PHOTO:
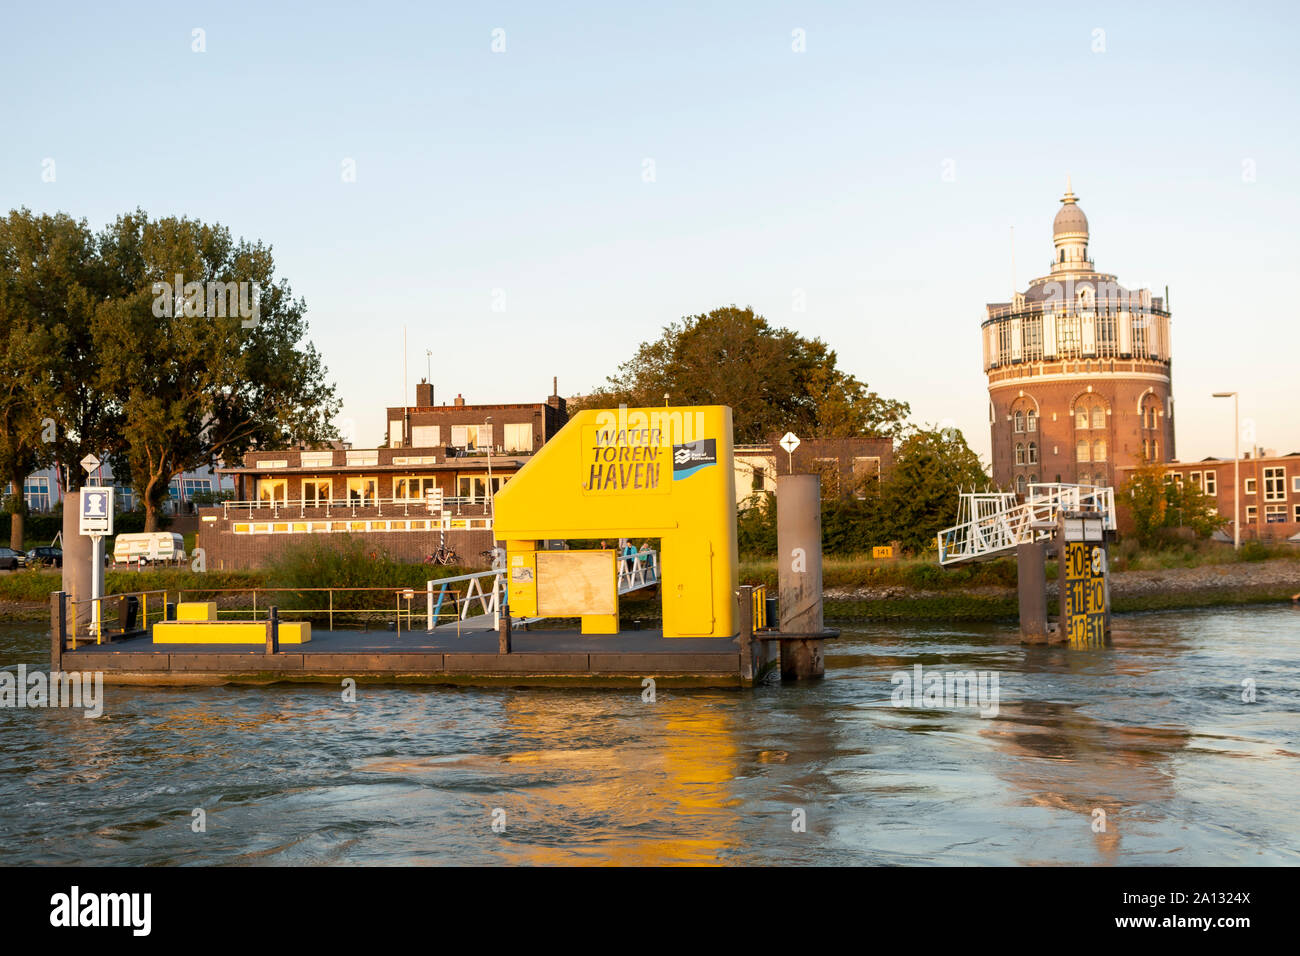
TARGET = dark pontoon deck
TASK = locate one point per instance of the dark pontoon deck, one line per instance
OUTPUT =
(540, 657)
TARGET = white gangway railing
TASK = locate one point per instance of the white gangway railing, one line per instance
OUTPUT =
(636, 570)
(994, 522)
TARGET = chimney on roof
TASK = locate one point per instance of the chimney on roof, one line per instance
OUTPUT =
(424, 395)
(554, 400)
(459, 400)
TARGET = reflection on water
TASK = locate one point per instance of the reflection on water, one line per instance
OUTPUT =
(1152, 732)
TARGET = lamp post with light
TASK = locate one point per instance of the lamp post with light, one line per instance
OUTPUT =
(1236, 469)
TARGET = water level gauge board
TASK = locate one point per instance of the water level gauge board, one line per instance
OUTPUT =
(1084, 593)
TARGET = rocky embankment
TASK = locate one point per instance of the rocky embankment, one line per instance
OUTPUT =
(1205, 586)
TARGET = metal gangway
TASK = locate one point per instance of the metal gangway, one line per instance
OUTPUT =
(473, 602)
(992, 523)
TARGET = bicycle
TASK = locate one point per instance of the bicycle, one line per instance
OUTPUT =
(444, 555)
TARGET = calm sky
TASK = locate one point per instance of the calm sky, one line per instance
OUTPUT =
(540, 210)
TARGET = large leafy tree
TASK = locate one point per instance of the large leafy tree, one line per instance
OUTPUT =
(773, 379)
(50, 283)
(196, 387)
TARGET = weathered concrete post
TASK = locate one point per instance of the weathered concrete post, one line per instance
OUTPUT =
(76, 564)
(503, 633)
(745, 617)
(273, 631)
(58, 629)
(799, 573)
(1031, 578)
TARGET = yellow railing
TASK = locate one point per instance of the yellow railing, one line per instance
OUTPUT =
(95, 627)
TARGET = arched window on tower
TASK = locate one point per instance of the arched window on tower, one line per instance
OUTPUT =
(1032, 453)
(1020, 453)
(1080, 417)
(1031, 421)
(1020, 484)
(1020, 420)
(1081, 450)
(1098, 417)
(1099, 450)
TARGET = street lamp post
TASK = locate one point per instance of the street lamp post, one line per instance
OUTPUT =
(487, 424)
(1236, 470)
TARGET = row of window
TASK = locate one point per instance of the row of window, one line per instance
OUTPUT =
(36, 492)
(515, 437)
(362, 490)
(1274, 483)
(1273, 514)
(359, 527)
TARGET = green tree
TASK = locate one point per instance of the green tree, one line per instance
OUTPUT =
(1158, 504)
(919, 497)
(197, 387)
(772, 378)
(50, 281)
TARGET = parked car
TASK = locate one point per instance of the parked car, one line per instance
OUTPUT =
(45, 557)
(11, 560)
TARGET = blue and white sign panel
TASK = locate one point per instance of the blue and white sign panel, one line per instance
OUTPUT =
(97, 510)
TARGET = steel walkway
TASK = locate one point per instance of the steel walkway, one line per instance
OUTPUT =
(994, 523)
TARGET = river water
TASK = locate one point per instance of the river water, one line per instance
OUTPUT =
(1141, 753)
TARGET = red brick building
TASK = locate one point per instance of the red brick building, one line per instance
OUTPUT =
(1270, 491)
(431, 485)
(1079, 371)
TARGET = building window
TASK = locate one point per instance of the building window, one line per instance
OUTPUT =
(1099, 450)
(1295, 484)
(1275, 514)
(126, 498)
(1081, 418)
(316, 491)
(1081, 450)
(361, 491)
(1031, 421)
(425, 436)
(317, 459)
(1251, 513)
(1020, 420)
(36, 492)
(471, 487)
(1195, 479)
(1032, 453)
(1020, 453)
(1211, 483)
(1020, 484)
(1250, 486)
(518, 437)
(363, 458)
(1295, 513)
(413, 488)
(1098, 417)
(756, 482)
(272, 491)
(1275, 484)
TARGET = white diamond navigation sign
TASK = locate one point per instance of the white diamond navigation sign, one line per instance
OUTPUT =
(90, 463)
(96, 511)
(790, 441)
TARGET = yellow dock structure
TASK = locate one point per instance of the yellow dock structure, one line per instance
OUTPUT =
(662, 473)
(196, 623)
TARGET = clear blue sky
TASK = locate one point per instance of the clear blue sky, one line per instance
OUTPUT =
(775, 171)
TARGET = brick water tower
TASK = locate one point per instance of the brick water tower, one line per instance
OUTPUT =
(1079, 371)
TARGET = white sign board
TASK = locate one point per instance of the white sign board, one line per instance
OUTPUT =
(90, 463)
(96, 510)
(790, 441)
(1085, 529)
